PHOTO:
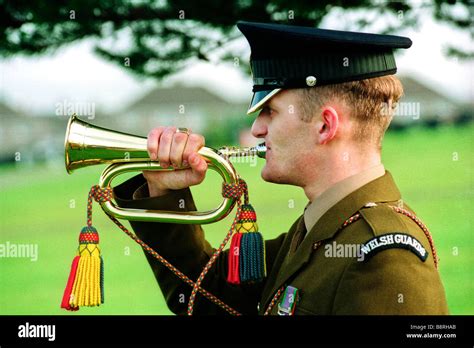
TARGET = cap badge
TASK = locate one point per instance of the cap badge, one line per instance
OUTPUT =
(310, 81)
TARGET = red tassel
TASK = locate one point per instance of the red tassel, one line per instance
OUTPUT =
(233, 275)
(70, 282)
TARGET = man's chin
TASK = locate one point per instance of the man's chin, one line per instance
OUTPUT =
(265, 174)
(269, 175)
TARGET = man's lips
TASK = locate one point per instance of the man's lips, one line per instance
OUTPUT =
(269, 148)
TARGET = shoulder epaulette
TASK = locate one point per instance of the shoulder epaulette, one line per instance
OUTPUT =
(390, 232)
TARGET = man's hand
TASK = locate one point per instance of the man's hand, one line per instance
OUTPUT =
(176, 150)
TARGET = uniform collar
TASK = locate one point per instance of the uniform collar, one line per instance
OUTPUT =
(316, 209)
(380, 190)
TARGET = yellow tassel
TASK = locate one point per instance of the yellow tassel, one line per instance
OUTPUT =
(86, 289)
(85, 284)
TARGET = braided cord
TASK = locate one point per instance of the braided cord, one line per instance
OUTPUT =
(102, 195)
(424, 229)
(99, 195)
(412, 216)
(274, 300)
(209, 264)
(228, 191)
(349, 221)
(353, 219)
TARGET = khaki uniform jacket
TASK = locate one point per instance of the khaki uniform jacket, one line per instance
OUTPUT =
(391, 281)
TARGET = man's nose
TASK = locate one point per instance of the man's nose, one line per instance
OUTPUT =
(259, 127)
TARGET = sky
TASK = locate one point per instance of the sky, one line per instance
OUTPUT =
(74, 73)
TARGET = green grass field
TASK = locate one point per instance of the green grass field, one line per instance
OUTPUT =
(45, 206)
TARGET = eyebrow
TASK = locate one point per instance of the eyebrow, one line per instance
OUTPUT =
(271, 104)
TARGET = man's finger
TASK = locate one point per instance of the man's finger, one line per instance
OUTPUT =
(165, 146)
(198, 164)
(177, 148)
(194, 144)
(153, 142)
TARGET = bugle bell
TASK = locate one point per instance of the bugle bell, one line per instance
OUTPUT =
(87, 145)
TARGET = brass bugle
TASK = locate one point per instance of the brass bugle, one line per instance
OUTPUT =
(86, 145)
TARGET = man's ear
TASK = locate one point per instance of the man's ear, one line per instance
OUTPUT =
(328, 125)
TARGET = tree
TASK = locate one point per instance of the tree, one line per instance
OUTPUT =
(156, 38)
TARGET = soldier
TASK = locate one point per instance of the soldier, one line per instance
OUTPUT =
(325, 99)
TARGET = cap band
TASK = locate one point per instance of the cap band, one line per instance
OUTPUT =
(292, 72)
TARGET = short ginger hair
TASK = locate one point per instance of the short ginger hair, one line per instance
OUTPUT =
(371, 103)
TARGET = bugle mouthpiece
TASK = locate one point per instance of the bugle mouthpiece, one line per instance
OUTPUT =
(232, 151)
